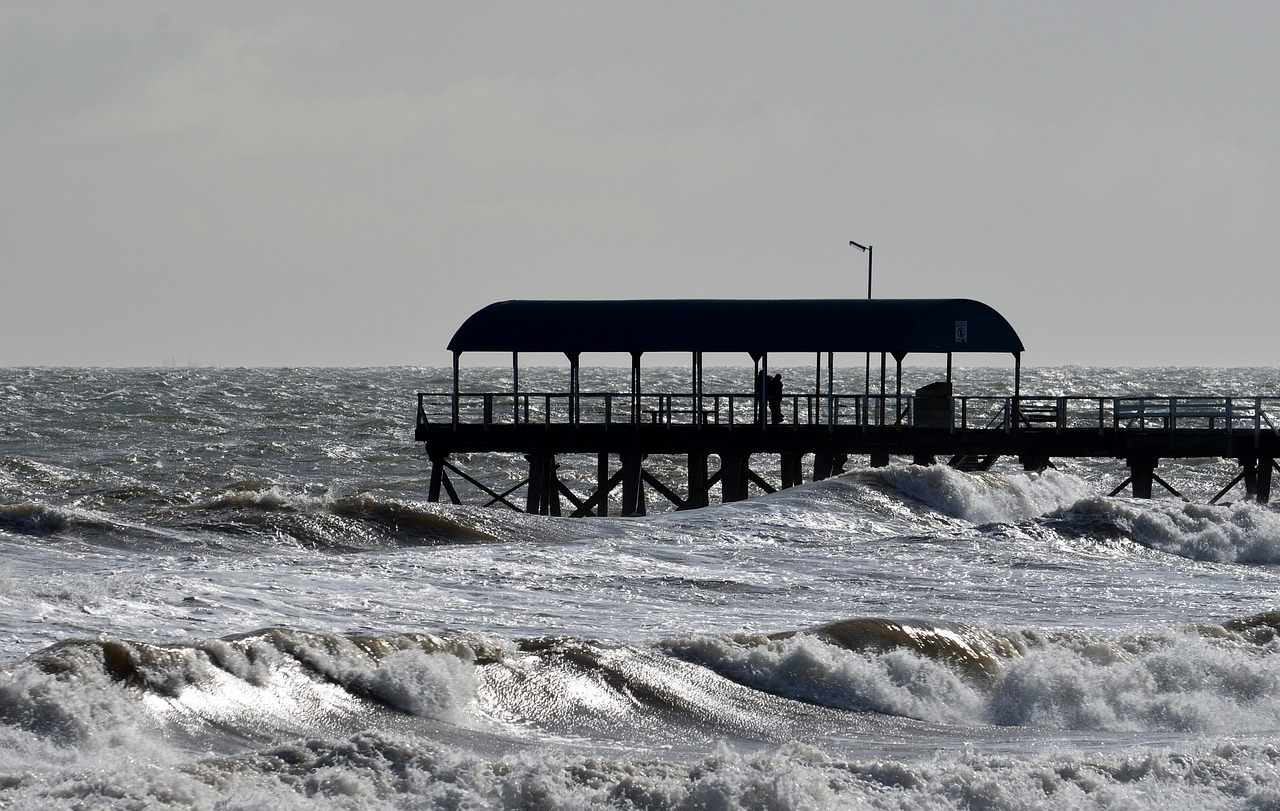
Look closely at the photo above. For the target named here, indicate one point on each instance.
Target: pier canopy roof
(895, 326)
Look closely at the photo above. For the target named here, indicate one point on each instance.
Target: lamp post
(868, 250)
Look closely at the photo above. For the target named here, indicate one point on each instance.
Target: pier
(721, 439)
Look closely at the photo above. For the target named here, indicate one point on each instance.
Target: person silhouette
(775, 398)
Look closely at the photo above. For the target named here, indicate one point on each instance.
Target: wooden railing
(730, 410)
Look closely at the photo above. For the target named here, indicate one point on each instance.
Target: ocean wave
(271, 515)
(248, 688)
(985, 498)
(38, 520)
(393, 715)
(1172, 680)
(380, 769)
(407, 522)
(32, 519)
(374, 768)
(350, 523)
(1206, 678)
(278, 683)
(854, 675)
(1237, 533)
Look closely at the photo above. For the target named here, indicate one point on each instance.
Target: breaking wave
(985, 498)
(1211, 679)
(1237, 533)
(462, 720)
(343, 524)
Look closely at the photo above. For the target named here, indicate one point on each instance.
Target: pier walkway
(721, 439)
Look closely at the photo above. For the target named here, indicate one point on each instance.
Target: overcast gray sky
(342, 183)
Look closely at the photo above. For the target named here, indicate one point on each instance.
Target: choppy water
(225, 589)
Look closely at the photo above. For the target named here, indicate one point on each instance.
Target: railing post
(1257, 422)
(456, 358)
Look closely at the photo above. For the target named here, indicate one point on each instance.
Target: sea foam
(1236, 533)
(984, 498)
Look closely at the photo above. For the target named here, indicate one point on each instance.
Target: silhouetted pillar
(537, 483)
(698, 480)
(437, 475)
(602, 477)
(1265, 465)
(632, 483)
(823, 464)
(791, 469)
(733, 476)
(544, 494)
(1144, 474)
(1250, 476)
(1034, 462)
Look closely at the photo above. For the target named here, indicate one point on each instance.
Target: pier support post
(879, 459)
(1265, 465)
(1143, 470)
(697, 480)
(1034, 462)
(791, 470)
(437, 476)
(1249, 473)
(533, 498)
(823, 464)
(602, 485)
(733, 476)
(632, 483)
(544, 493)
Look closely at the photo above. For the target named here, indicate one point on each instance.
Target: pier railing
(964, 413)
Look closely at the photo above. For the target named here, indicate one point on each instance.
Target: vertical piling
(602, 483)
(1265, 466)
(544, 490)
(533, 498)
(698, 480)
(1143, 470)
(823, 464)
(733, 476)
(632, 483)
(792, 472)
(1249, 473)
(437, 475)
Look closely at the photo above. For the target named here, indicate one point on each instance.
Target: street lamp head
(862, 248)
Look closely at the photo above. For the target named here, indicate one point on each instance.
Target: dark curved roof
(726, 325)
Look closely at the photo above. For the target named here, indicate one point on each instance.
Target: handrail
(957, 413)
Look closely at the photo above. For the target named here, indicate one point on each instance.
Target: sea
(226, 589)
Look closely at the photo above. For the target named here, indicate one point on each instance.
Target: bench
(1031, 415)
(1169, 415)
(663, 415)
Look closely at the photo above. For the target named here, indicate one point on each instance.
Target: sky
(341, 184)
